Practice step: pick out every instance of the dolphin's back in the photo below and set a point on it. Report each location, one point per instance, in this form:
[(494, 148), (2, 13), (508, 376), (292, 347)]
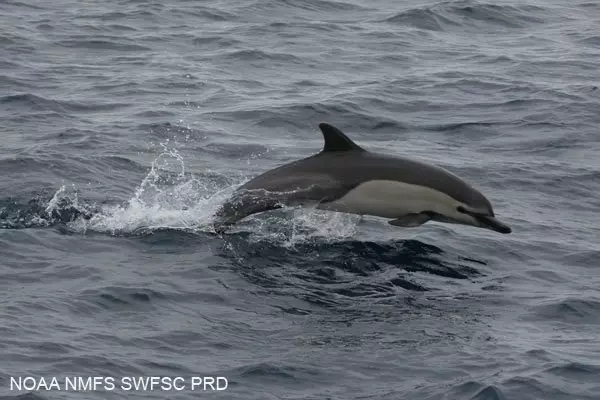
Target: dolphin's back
[(347, 170)]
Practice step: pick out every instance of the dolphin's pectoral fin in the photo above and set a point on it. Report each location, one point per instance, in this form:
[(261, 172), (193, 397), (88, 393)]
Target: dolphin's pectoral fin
[(411, 220)]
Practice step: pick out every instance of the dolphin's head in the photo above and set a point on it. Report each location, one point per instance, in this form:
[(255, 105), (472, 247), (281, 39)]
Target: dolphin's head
[(476, 210)]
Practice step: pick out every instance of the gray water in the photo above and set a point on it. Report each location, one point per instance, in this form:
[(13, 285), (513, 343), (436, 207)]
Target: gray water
[(125, 124)]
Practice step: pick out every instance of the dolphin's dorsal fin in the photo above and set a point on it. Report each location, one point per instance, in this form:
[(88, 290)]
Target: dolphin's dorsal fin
[(336, 140)]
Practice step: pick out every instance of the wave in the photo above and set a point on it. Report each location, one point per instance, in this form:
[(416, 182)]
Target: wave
[(473, 390), (459, 14), (216, 42), (592, 41), (277, 372), (206, 13), (117, 298), (39, 103), (167, 198), (571, 310), (256, 55), (576, 370), (24, 5), (293, 116), (102, 44), (307, 5), (25, 396), (347, 270), (12, 82), (39, 212)]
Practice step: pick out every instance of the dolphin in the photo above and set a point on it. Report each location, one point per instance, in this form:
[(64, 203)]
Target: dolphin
[(345, 177)]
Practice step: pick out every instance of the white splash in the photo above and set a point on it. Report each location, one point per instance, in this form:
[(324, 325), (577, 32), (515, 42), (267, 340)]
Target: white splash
[(300, 225), (170, 198), (163, 200)]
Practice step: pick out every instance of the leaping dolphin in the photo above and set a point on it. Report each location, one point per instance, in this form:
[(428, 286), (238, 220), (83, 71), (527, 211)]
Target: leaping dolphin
[(344, 177)]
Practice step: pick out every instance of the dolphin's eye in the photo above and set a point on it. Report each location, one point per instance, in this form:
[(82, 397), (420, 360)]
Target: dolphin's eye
[(461, 209)]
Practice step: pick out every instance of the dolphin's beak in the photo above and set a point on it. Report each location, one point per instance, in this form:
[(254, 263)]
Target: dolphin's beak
[(486, 221), (492, 223)]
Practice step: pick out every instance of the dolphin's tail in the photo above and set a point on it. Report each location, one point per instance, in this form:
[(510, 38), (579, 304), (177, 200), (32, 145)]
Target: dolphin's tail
[(242, 205), (221, 227)]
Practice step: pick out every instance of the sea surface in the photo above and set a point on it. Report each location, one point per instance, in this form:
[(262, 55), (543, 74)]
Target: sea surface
[(125, 124)]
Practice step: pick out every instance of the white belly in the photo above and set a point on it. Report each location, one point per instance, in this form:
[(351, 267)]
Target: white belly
[(392, 199)]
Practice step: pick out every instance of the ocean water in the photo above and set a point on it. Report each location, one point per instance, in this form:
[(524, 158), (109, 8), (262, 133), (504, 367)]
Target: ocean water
[(126, 123)]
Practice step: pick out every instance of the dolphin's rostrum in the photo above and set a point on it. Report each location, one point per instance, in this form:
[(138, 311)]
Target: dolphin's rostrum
[(344, 177)]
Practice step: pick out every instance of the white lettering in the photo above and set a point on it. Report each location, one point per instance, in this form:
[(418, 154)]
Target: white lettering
[(165, 383), (29, 383), (16, 384), (126, 383), (32, 384), (176, 386), (196, 381), (98, 381), (109, 383), (140, 383), (222, 379), (84, 384), (209, 381), (146, 383), (70, 383), (90, 383), (53, 384)]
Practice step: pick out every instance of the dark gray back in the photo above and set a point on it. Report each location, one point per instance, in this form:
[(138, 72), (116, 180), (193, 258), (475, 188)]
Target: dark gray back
[(351, 168)]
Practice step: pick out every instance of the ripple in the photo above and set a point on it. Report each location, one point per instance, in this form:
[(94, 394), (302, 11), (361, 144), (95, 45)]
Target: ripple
[(488, 393), (118, 298), (307, 5), (210, 14), (572, 311), (33, 214), (585, 258), (23, 5), (33, 102), (347, 269), (292, 116), (576, 370), (455, 15), (98, 44), (425, 18), (257, 55), (25, 396), (155, 114), (593, 41), (278, 372), (216, 42)]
